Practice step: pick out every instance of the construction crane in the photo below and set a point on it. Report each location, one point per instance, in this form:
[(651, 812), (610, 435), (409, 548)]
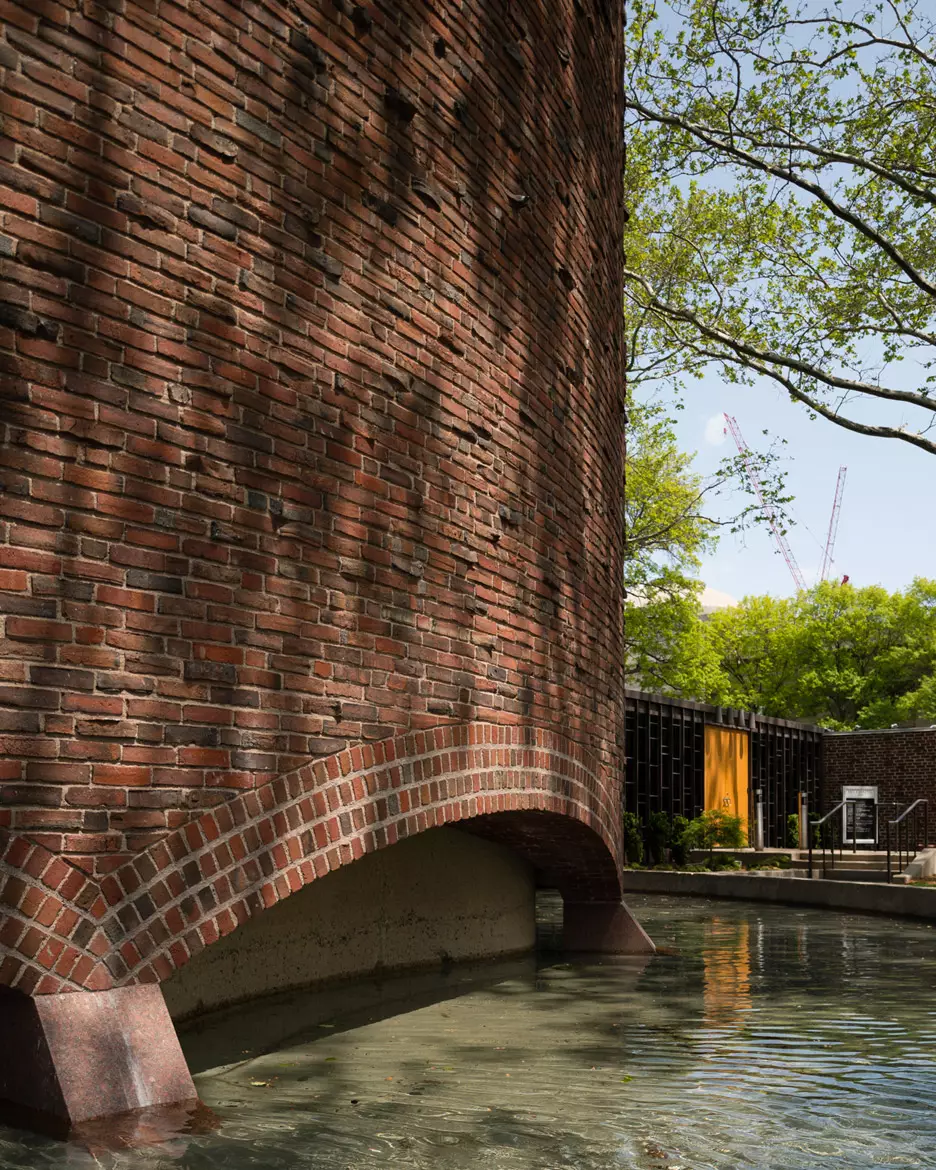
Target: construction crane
[(781, 541), (827, 557)]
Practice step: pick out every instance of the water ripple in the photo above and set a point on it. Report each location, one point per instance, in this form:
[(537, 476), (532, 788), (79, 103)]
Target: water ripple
[(774, 1039)]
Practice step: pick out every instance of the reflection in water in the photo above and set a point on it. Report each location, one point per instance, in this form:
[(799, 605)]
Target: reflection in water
[(775, 1038), (727, 978)]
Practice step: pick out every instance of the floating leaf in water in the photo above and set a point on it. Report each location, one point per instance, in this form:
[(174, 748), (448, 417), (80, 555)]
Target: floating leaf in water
[(624, 1080)]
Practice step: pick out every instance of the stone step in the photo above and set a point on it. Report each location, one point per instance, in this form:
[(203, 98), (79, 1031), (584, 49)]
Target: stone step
[(868, 860), (850, 875)]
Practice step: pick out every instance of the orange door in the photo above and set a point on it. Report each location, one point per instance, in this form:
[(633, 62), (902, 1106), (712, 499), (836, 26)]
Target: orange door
[(726, 772)]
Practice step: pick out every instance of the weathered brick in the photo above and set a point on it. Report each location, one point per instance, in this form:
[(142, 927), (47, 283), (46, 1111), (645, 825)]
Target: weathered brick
[(217, 143), (212, 671), (291, 371), (259, 129), (206, 219), (140, 579)]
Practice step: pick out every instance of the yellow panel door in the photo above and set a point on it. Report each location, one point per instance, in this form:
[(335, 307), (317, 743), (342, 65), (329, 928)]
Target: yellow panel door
[(726, 772)]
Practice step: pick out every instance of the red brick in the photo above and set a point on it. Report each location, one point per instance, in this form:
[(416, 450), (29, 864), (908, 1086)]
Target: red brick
[(125, 775), (294, 476)]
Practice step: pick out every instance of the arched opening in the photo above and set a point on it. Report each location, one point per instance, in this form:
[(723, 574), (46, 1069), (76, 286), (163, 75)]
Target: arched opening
[(446, 895), (442, 897)]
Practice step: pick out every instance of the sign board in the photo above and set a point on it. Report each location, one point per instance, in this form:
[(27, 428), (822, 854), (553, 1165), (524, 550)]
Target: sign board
[(859, 817)]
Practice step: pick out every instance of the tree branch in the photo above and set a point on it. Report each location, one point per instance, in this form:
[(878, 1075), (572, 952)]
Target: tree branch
[(820, 408), (713, 139), (759, 354)]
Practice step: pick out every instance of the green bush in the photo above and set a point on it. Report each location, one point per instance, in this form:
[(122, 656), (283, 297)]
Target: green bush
[(792, 831), (658, 836), (714, 828), (633, 839), (678, 847)]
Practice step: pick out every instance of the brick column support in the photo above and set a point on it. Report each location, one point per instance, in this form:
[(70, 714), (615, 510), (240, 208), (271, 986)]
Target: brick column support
[(71, 1058), (606, 928)]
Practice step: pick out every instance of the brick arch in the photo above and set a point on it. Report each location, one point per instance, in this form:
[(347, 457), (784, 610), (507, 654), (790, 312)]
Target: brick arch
[(531, 789), (567, 854)]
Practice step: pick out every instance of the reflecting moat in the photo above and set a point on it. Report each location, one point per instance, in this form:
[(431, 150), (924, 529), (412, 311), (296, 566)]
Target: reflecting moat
[(768, 1037)]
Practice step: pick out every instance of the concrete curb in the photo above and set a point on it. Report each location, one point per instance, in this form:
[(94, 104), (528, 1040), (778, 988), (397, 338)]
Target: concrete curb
[(860, 897)]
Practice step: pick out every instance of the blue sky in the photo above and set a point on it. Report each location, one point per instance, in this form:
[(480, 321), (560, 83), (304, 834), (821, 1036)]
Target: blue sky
[(887, 532)]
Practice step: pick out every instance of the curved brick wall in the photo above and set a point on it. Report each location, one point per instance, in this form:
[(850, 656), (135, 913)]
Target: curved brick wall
[(311, 432), (65, 931)]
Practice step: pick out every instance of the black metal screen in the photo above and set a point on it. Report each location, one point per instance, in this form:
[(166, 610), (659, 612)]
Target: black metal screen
[(786, 759), (665, 746), (664, 742)]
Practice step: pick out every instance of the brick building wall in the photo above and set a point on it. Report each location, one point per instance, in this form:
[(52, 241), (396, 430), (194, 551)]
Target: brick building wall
[(901, 762), (311, 455), (311, 421)]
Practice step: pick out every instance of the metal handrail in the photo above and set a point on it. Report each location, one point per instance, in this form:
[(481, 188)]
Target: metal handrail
[(853, 840), (822, 820), (907, 811), (819, 825), (903, 842)]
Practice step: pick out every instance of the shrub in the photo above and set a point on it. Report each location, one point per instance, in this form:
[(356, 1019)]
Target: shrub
[(712, 828), (633, 839), (659, 835), (792, 831), (678, 847)]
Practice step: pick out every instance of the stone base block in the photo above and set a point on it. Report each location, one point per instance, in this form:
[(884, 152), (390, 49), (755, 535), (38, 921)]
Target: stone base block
[(67, 1059), (606, 928)]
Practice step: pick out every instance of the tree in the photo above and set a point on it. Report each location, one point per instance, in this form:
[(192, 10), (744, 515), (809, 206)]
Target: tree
[(668, 527), (835, 655), (666, 531), (756, 656), (781, 177), (864, 653)]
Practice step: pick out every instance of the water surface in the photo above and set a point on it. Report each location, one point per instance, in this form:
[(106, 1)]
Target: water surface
[(777, 1037)]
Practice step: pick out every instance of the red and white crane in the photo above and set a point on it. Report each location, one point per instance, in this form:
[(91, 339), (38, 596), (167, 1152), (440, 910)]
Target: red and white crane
[(770, 515), (827, 557), (781, 541)]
